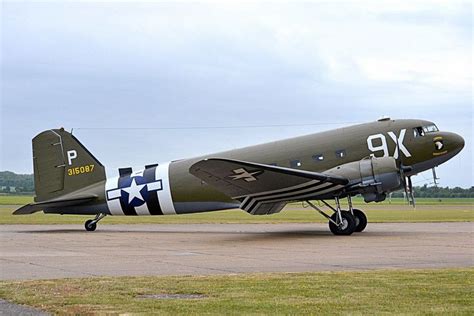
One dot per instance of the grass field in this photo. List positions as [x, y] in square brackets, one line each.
[411, 292]
[371, 292]
[25, 199]
[427, 210]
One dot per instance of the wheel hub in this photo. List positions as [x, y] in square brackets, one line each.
[343, 225]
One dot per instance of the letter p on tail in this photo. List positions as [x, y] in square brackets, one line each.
[71, 154]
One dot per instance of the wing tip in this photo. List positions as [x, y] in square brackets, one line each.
[27, 209]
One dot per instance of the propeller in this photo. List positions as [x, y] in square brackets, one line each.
[407, 183]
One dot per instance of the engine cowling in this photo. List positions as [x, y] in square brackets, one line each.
[372, 177]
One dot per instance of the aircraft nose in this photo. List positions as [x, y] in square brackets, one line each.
[458, 141]
[455, 141]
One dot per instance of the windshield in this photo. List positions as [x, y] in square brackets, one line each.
[430, 128]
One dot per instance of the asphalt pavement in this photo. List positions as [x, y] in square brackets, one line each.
[60, 251]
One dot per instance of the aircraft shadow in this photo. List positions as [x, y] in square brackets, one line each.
[243, 236]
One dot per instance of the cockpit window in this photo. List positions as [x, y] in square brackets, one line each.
[422, 130]
[430, 128]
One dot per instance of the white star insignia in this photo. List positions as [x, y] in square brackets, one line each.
[134, 191]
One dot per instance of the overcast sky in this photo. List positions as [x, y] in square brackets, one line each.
[113, 71]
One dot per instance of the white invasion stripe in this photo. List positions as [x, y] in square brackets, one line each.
[142, 210]
[245, 200]
[290, 194]
[114, 205]
[303, 196]
[166, 201]
[279, 190]
[312, 188]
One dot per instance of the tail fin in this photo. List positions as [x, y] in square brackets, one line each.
[62, 165]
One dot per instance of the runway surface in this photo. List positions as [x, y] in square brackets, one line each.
[59, 251]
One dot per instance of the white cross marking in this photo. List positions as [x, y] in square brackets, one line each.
[244, 174]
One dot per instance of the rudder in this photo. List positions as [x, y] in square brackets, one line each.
[62, 165]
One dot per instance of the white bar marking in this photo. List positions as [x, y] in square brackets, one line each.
[166, 200]
[111, 190]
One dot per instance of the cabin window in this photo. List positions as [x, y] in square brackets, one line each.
[418, 131]
[341, 153]
[295, 163]
[415, 133]
[318, 157]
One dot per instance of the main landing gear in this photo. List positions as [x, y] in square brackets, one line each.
[91, 224]
[343, 222]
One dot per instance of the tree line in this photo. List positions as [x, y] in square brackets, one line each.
[438, 192]
[11, 183]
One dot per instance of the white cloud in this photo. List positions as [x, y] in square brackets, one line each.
[355, 43]
[447, 71]
[282, 61]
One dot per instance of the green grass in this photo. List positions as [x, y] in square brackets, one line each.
[414, 292]
[15, 199]
[25, 199]
[428, 210]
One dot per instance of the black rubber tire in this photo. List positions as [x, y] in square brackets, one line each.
[90, 225]
[347, 228]
[361, 220]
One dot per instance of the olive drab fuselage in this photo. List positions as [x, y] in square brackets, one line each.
[323, 151]
[63, 173]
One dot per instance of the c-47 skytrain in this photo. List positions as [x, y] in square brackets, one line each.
[371, 159]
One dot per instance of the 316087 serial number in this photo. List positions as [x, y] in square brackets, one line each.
[80, 170]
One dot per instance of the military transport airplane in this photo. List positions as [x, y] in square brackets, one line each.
[370, 159]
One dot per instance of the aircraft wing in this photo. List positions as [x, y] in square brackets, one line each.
[264, 189]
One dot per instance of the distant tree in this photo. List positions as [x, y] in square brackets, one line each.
[21, 182]
[24, 183]
[439, 192]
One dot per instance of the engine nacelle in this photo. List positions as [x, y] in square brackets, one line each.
[372, 177]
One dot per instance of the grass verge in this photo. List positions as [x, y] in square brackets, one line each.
[428, 210]
[25, 199]
[446, 291]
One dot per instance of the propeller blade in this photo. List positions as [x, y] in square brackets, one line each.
[405, 186]
[402, 172]
[412, 194]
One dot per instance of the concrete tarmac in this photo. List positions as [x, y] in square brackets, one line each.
[60, 251]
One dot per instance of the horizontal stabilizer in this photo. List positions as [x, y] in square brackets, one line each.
[61, 202]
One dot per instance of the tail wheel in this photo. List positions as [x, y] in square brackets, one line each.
[360, 220]
[90, 225]
[346, 227]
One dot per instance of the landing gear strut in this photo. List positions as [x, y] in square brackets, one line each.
[343, 222]
[91, 224]
[360, 218]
